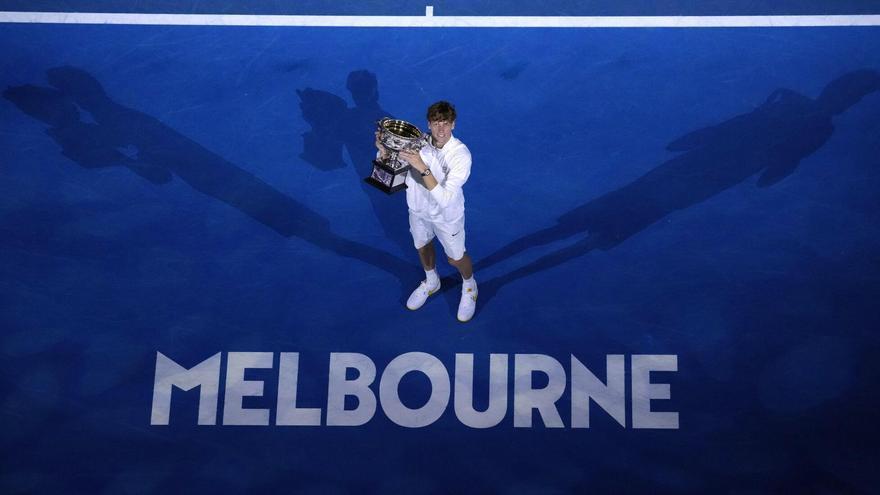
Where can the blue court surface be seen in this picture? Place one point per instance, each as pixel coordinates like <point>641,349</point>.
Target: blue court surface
<point>177,195</point>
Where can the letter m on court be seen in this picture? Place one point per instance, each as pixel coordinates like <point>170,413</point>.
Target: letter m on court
<point>205,375</point>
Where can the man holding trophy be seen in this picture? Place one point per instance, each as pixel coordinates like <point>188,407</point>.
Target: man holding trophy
<point>436,205</point>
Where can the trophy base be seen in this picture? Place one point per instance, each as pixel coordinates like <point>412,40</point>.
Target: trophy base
<point>387,179</point>
<point>382,187</point>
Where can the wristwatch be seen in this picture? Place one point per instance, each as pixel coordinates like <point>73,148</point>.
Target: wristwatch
<point>426,172</point>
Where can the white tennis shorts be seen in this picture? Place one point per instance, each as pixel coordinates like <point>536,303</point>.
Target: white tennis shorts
<point>450,234</point>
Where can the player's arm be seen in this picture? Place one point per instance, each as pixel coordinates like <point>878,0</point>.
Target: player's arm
<point>419,165</point>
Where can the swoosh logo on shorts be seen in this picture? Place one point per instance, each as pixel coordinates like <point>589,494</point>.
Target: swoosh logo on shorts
<point>455,234</point>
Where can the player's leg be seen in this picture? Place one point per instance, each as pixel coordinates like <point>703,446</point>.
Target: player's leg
<point>423,239</point>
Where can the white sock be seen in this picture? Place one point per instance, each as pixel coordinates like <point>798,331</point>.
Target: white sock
<point>470,282</point>
<point>431,277</point>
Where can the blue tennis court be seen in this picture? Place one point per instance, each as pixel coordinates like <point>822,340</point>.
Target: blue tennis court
<point>708,196</point>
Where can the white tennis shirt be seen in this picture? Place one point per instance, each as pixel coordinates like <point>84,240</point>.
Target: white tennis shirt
<point>451,167</point>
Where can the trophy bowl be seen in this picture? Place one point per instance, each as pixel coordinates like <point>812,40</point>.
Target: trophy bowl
<point>395,136</point>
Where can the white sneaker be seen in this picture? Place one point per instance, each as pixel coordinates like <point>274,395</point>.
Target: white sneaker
<point>468,303</point>
<point>420,295</point>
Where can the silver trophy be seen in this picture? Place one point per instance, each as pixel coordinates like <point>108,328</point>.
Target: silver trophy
<point>389,173</point>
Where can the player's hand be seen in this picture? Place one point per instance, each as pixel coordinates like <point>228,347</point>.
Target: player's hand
<point>382,151</point>
<point>414,159</point>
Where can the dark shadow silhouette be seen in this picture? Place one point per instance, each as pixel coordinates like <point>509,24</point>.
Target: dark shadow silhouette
<point>322,144</point>
<point>96,132</point>
<point>771,140</point>
<point>336,127</point>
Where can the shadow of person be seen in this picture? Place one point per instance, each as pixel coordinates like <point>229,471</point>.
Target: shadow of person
<point>336,127</point>
<point>96,132</point>
<point>770,141</point>
<point>325,113</point>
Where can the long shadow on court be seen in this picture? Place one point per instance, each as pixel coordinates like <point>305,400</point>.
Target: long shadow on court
<point>771,140</point>
<point>335,128</point>
<point>115,135</point>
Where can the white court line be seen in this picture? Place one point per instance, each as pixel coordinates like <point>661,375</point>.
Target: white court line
<point>432,21</point>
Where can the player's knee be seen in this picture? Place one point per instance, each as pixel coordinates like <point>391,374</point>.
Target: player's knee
<point>455,262</point>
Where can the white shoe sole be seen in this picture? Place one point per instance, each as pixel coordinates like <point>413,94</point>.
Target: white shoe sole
<point>469,319</point>
<point>426,300</point>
